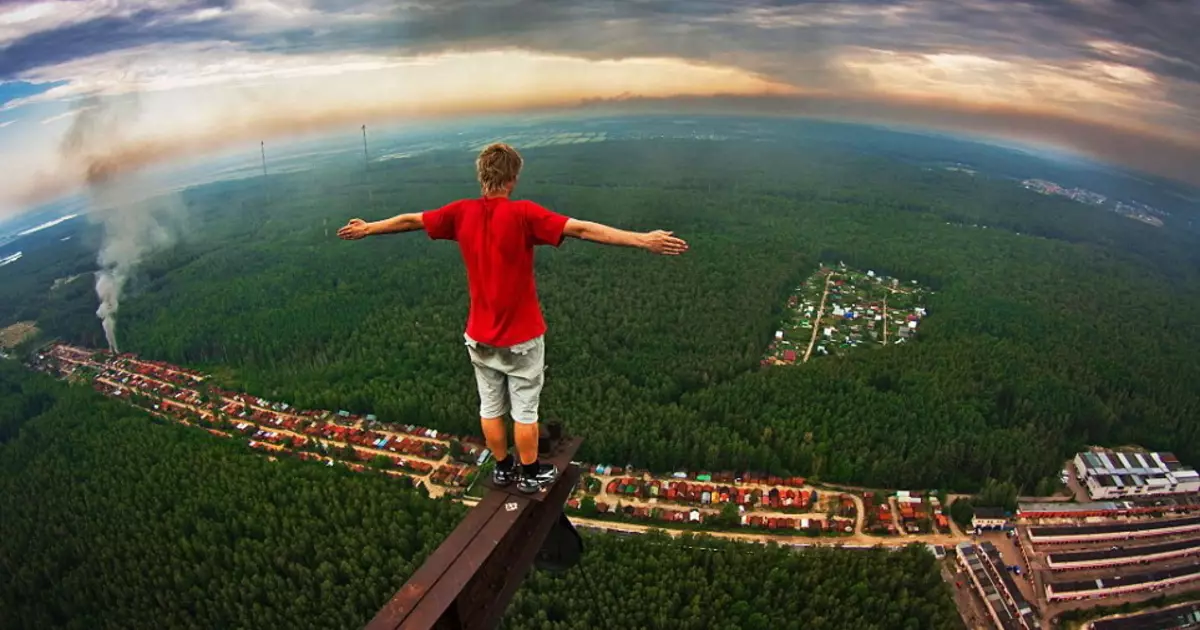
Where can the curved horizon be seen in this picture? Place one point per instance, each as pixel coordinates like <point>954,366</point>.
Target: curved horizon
<point>88,91</point>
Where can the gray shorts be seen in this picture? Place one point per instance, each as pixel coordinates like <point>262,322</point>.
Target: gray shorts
<point>510,379</point>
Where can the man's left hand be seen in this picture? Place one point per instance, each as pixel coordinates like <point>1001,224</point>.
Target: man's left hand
<point>354,230</point>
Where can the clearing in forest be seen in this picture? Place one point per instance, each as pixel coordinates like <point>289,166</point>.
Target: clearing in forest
<point>838,309</point>
<point>15,334</point>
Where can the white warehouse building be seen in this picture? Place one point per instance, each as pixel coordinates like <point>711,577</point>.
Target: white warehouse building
<point>1112,475</point>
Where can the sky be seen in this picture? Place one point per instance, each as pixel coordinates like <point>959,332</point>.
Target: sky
<point>93,89</point>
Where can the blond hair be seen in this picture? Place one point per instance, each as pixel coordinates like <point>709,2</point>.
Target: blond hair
<point>498,165</point>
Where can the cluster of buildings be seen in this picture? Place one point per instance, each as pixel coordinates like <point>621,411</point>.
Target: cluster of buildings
<point>1111,474</point>
<point>1140,535</point>
<point>1131,209</point>
<point>1140,212</point>
<point>781,499</point>
<point>270,426</point>
<point>916,513</point>
<point>859,308</point>
<point>806,525</point>
<point>1110,549</point>
<point>1050,188</point>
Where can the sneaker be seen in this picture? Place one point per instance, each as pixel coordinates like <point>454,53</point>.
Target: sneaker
<point>504,475</point>
<point>532,482</point>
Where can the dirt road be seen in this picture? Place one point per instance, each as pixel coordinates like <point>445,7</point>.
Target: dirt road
<point>817,321</point>
<point>860,513</point>
<point>896,517</point>
<point>974,615</point>
<point>885,320</point>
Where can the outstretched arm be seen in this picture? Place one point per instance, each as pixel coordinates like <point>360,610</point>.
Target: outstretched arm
<point>357,228</point>
<point>658,241</point>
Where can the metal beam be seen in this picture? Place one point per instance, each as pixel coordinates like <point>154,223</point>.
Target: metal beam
<point>468,581</point>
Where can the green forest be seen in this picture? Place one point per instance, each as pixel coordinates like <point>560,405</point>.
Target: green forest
<point>701,583</point>
<point>1055,326</point>
<point>113,520</point>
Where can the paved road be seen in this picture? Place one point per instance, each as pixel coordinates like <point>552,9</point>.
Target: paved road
<point>855,541</point>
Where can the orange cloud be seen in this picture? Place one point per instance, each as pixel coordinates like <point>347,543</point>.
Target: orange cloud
<point>174,123</point>
<point>1133,147</point>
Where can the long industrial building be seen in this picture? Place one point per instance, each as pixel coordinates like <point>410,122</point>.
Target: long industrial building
<point>1005,603</point>
<point>1176,618</point>
<point>1068,510</point>
<point>1064,534</point>
<point>1075,560</point>
<point>1113,475</point>
<point>1121,584</point>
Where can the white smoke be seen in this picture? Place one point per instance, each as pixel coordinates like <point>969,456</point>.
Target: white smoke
<point>135,226</point>
<point>133,229</point>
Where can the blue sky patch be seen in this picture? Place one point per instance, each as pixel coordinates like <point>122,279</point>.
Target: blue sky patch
<point>11,90</point>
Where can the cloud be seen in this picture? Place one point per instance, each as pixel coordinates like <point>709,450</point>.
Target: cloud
<point>62,117</point>
<point>1131,147</point>
<point>1097,68</point>
<point>283,95</point>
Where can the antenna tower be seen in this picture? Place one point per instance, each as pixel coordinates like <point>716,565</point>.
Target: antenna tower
<point>262,145</point>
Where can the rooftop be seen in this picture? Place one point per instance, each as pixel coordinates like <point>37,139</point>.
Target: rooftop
<point>1179,616</point>
<point>1125,552</point>
<point>1064,506</point>
<point>1075,586</point>
<point>1113,528</point>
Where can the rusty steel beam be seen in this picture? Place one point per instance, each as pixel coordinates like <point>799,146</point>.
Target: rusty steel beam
<point>468,581</point>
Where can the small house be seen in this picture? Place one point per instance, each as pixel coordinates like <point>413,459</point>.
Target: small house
<point>989,518</point>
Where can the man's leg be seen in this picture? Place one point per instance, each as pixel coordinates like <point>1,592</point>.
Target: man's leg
<point>493,404</point>
<point>525,379</point>
<point>496,436</point>
<point>525,434</point>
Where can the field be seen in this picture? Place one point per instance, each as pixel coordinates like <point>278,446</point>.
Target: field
<point>11,336</point>
<point>838,309</point>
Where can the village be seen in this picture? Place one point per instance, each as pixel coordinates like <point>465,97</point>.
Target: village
<point>1112,542</point>
<point>838,309</point>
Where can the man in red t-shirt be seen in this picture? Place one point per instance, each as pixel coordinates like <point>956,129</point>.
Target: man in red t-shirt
<point>505,329</point>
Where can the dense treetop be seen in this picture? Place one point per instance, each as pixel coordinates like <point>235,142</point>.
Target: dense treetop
<point>655,582</point>
<point>1056,326</point>
<point>112,521</point>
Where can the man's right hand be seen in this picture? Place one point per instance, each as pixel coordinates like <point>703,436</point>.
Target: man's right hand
<point>354,230</point>
<point>665,243</point>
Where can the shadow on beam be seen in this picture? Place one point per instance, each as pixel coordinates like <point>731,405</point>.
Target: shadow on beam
<point>467,583</point>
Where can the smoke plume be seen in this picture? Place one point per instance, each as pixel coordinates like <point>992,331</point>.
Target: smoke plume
<point>134,226</point>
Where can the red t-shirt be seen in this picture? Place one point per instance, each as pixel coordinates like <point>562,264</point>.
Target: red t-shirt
<point>496,237</point>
